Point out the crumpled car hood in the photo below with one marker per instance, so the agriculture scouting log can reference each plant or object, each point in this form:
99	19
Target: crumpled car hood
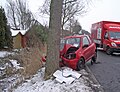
66	47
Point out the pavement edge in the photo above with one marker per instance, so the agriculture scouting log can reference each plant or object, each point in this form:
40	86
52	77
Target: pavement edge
99	88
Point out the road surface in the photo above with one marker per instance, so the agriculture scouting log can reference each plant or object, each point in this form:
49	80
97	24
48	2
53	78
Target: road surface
107	72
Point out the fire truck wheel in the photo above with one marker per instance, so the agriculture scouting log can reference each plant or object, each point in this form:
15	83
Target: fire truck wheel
108	51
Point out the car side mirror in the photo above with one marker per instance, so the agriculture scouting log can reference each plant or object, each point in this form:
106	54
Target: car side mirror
86	45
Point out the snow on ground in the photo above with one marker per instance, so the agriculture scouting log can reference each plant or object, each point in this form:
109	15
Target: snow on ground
37	84
8	72
4	54
15	64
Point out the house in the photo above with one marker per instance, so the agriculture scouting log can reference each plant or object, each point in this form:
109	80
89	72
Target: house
19	38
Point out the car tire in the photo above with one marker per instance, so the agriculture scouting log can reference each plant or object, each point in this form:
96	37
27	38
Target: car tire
94	58
81	64
108	51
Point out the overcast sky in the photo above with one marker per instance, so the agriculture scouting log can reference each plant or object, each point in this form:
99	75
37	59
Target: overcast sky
107	10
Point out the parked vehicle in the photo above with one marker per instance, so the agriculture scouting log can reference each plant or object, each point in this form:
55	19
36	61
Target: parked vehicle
106	34
75	51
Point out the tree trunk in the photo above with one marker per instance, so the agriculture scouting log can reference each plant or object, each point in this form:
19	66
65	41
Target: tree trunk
53	42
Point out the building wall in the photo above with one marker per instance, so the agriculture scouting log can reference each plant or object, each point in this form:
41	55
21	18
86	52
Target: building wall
17	41
23	41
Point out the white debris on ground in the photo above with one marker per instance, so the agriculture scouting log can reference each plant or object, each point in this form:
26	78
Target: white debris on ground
66	75
37	84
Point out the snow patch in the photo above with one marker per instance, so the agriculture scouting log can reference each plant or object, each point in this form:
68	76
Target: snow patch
38	84
4	54
15	32
15	64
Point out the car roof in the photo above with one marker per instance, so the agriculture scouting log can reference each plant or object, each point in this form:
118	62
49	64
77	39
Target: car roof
74	36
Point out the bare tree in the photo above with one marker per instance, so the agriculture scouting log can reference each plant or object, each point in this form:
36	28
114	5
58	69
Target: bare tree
52	62
19	16
71	8
76	28
11	13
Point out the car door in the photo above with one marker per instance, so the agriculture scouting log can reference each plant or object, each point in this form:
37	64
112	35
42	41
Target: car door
86	48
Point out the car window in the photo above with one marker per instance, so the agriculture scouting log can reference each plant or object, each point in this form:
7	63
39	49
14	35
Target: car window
114	35
85	41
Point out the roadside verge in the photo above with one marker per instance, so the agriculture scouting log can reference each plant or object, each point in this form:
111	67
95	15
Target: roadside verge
96	85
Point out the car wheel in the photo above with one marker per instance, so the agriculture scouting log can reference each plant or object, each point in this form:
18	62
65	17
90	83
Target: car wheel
94	58
108	51
81	64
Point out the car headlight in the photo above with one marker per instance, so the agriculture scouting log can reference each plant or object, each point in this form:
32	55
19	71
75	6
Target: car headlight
113	44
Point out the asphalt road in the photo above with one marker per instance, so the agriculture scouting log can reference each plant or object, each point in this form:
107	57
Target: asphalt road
107	72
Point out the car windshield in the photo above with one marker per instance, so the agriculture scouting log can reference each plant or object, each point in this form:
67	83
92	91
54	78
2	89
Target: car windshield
73	41
114	35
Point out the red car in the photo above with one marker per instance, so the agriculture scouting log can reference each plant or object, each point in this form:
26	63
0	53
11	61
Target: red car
76	50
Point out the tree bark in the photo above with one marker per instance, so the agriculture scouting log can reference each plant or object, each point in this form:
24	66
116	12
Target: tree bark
53	42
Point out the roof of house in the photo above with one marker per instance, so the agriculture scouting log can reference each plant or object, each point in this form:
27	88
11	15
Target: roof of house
15	32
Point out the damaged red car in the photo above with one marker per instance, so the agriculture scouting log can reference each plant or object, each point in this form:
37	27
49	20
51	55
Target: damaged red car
75	51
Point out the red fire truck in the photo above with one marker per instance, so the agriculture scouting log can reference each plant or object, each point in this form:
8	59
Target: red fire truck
106	34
